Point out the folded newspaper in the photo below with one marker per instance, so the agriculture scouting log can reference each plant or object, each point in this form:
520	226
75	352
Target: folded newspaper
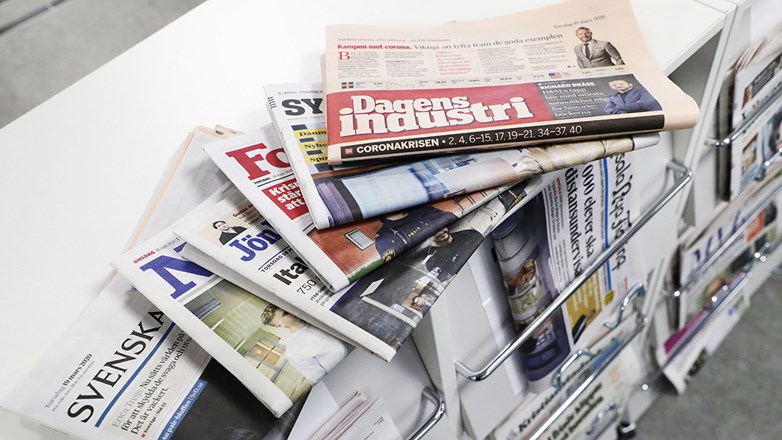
343	194
338	255
548	243
575	70
381	309
275	353
125	370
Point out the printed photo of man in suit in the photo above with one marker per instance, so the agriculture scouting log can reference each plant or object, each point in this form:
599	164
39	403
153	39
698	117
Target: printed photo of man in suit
629	98
595	53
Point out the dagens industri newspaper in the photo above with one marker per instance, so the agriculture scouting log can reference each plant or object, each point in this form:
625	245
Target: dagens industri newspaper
341	254
124	370
548	243
342	194
381	309
575	70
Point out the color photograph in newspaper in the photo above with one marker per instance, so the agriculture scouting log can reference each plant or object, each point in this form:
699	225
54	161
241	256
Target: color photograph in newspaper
380	310
338	255
125	371
274	353
343	194
571	71
548	243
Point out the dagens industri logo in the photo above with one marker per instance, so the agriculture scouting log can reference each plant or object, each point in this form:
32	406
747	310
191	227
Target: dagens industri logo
367	115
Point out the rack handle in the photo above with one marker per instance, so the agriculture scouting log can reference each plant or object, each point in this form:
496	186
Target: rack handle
747	122
737	234
684	176
638	290
609	408
597	370
556	381
715	308
439	410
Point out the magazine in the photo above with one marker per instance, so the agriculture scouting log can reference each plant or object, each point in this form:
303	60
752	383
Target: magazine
571	71
758	75
757	143
696	247
342	254
343	194
277	355
548	243
124	370
380	310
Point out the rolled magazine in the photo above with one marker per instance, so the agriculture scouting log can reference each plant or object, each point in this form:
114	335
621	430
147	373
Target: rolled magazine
343	194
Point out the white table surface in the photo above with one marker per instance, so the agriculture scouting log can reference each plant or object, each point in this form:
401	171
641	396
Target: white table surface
76	172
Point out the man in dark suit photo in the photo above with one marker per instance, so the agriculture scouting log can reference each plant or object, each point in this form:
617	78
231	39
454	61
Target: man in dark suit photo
227	233
629	98
595	53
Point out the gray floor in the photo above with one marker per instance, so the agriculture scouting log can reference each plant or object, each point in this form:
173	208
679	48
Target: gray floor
735	395
732	397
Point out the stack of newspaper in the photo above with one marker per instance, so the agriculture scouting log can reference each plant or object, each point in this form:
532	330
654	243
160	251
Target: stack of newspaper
329	229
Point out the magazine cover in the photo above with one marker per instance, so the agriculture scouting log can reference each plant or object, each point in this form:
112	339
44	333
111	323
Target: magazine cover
758	75
337	255
697	247
277	355
757	142
343	194
548	243
386	304
124	370
571	71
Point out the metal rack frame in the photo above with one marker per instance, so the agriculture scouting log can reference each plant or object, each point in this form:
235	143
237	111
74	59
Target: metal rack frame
683	178
439	410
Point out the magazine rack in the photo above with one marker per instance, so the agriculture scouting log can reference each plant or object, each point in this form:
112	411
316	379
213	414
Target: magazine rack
439	410
738	233
683	177
600	361
747	122
728	291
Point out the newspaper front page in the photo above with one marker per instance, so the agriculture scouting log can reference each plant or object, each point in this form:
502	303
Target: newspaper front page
576	70
277	355
536	408
548	243
343	194
124	370
337	255
381	309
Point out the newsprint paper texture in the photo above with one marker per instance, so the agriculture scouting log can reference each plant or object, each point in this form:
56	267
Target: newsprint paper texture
337	255
380	310
575	70
548	243
126	371
343	194
279	360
